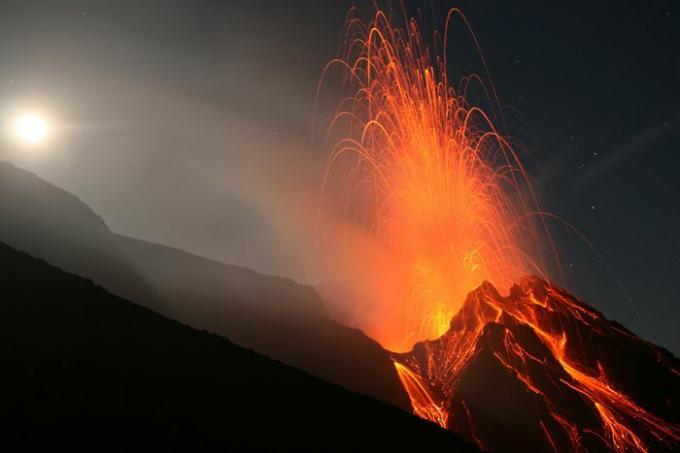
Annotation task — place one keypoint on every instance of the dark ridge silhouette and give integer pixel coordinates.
(274, 316)
(45, 221)
(84, 369)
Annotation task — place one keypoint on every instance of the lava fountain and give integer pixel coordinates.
(447, 203)
(440, 191)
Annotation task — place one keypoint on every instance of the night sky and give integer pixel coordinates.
(188, 123)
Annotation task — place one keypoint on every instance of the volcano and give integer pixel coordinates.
(447, 201)
(540, 369)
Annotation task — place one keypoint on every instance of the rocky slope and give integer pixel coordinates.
(541, 369)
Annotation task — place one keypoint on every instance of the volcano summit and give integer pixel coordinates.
(540, 368)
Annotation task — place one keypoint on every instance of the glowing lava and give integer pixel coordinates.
(441, 192)
(448, 204)
(559, 353)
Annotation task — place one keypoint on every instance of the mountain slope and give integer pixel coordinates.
(85, 369)
(274, 316)
(541, 369)
(46, 221)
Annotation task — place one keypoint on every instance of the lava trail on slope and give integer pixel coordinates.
(542, 370)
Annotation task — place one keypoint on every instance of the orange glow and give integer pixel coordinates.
(422, 400)
(447, 205)
(547, 310)
(439, 190)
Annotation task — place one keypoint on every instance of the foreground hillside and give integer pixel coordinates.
(82, 368)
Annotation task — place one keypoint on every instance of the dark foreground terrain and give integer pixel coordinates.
(83, 369)
(273, 316)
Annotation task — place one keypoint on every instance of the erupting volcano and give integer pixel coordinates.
(442, 192)
(453, 214)
(541, 369)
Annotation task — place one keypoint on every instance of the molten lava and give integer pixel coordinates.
(441, 192)
(450, 207)
(580, 382)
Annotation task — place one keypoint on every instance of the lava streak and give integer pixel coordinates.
(443, 196)
(421, 396)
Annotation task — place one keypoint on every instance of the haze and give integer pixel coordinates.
(190, 124)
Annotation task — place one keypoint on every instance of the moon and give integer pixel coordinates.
(30, 128)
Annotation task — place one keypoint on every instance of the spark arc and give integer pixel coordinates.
(440, 191)
(452, 213)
